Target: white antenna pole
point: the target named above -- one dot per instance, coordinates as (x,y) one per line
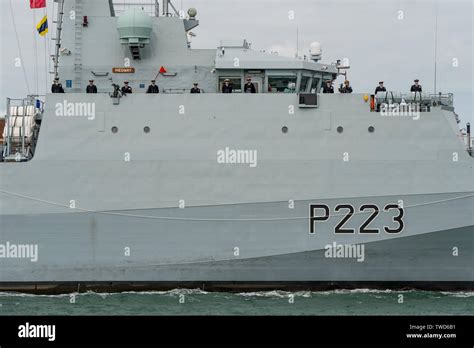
(436,48)
(297,42)
(165,7)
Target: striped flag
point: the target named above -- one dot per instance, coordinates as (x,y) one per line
(37,3)
(42,26)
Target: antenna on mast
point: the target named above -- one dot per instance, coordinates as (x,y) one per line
(297,42)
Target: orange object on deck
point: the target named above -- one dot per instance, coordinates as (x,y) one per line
(2,126)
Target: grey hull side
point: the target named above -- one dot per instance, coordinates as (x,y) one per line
(307,270)
(187,246)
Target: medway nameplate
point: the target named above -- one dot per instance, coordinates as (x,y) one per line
(123,70)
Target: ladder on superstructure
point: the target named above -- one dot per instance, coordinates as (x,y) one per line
(78,46)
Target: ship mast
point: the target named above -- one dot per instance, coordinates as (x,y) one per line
(165,5)
(59,28)
(436,48)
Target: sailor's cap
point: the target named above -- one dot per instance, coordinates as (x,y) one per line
(380,82)
(56,79)
(126,82)
(91,80)
(195,83)
(417,80)
(153,80)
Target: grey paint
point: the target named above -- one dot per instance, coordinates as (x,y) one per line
(121,204)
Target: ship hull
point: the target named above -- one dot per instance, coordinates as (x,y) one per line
(103,206)
(208,245)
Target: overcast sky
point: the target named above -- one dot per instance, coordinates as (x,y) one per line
(390,40)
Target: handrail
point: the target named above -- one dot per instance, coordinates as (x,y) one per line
(153,9)
(18,142)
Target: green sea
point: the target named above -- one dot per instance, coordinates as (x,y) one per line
(197,302)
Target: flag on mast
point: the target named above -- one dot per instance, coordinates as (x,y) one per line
(42,26)
(37,3)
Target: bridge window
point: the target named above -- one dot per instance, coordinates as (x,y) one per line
(282,84)
(304,83)
(315,85)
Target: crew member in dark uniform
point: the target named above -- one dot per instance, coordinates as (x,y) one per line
(126,89)
(153,88)
(91,88)
(195,88)
(416,87)
(380,88)
(249,87)
(57,87)
(227,88)
(328,88)
(346,88)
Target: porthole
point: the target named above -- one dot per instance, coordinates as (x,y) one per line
(284,129)
(114,129)
(371,129)
(146,129)
(340,129)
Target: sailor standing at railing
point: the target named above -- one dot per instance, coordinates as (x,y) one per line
(380,88)
(91,88)
(126,89)
(153,88)
(346,88)
(416,87)
(328,88)
(57,87)
(195,89)
(227,87)
(249,87)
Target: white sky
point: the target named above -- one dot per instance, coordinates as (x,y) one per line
(378,44)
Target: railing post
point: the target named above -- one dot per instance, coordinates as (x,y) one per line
(22,132)
(8,134)
(468,131)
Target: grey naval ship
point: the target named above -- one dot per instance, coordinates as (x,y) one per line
(286,186)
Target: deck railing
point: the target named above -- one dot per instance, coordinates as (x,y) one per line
(151,7)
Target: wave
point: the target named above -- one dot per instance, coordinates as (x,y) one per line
(273,293)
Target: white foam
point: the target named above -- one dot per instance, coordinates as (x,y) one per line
(275,293)
(459,294)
